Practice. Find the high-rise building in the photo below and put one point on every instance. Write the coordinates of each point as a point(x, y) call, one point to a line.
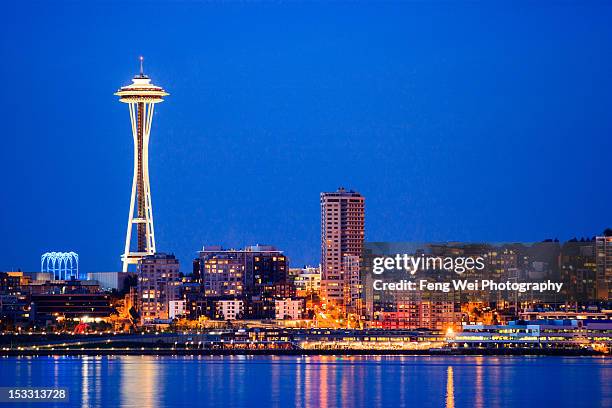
point(158, 284)
point(342, 235)
point(603, 259)
point(141, 97)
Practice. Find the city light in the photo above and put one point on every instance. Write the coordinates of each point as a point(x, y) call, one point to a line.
point(61, 265)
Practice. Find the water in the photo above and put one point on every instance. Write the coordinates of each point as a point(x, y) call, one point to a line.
point(319, 381)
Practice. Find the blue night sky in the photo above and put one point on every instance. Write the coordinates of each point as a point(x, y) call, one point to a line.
point(457, 121)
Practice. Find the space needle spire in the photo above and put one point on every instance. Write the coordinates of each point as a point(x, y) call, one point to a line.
point(141, 96)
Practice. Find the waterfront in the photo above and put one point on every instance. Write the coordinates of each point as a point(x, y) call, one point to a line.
point(318, 381)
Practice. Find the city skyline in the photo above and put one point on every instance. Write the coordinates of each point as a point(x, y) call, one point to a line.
point(259, 126)
point(399, 203)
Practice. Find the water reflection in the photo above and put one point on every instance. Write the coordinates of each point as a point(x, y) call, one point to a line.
point(147, 381)
point(494, 384)
point(323, 383)
point(605, 381)
point(275, 379)
point(450, 388)
point(298, 384)
point(140, 385)
point(85, 382)
point(479, 384)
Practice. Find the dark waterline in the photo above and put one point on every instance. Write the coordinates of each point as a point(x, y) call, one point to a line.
point(318, 381)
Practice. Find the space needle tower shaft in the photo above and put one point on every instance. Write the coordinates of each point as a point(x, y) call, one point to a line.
point(141, 97)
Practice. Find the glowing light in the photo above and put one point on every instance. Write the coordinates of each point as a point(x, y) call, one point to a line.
point(62, 265)
point(141, 97)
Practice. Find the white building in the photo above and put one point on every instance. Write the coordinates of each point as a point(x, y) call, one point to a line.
point(308, 280)
point(230, 309)
point(177, 308)
point(289, 309)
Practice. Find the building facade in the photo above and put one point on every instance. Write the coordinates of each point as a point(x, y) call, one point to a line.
point(289, 309)
point(578, 271)
point(158, 284)
point(433, 315)
point(307, 281)
point(603, 259)
point(222, 272)
point(257, 275)
point(342, 235)
point(230, 309)
point(177, 308)
point(85, 306)
point(110, 280)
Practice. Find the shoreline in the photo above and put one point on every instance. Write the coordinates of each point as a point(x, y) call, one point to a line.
point(179, 352)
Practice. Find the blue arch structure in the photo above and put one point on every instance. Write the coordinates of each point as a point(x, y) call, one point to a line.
point(62, 265)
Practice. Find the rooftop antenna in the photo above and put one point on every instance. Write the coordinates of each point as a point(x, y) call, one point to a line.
point(141, 66)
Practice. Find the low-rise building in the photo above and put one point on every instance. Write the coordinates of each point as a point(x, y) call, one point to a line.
point(307, 281)
point(433, 315)
point(566, 315)
point(110, 280)
point(59, 287)
point(82, 306)
point(230, 309)
point(177, 308)
point(292, 309)
point(535, 334)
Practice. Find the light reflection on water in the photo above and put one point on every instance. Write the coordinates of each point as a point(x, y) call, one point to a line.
point(450, 388)
point(478, 384)
point(318, 381)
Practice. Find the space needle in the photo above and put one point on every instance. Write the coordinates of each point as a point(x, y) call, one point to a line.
point(141, 96)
